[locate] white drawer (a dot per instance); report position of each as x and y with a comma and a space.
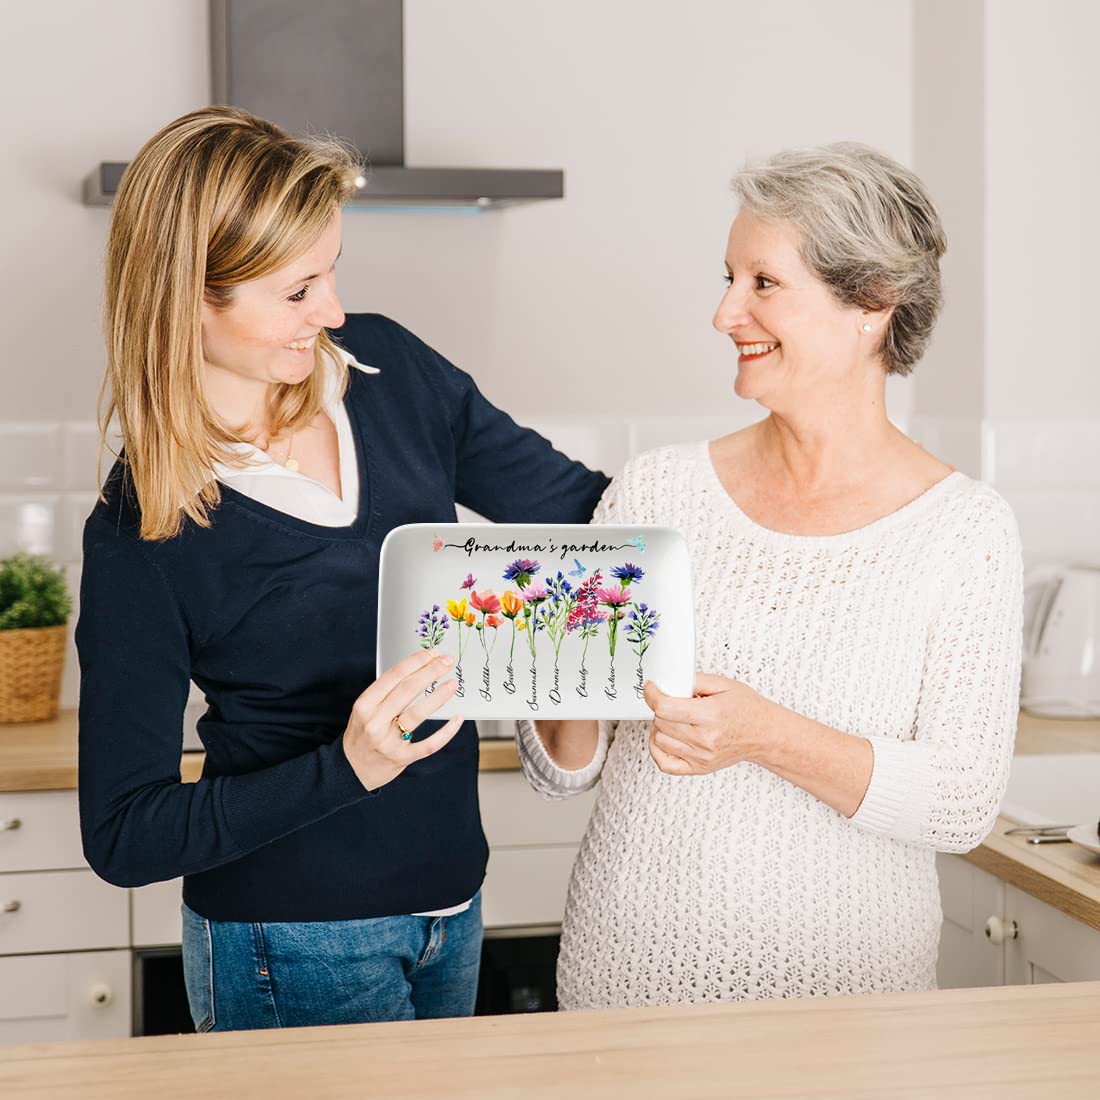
513, 813
156, 913
61, 911
526, 886
39, 831
84, 995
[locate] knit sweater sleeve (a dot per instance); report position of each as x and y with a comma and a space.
139, 822
942, 789
542, 773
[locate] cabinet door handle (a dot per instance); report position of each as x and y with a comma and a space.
101, 995
11, 907
997, 931
11, 824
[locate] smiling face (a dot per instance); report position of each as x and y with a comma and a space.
795, 340
267, 333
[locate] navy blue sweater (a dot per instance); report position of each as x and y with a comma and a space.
274, 618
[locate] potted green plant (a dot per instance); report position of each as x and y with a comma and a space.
34, 608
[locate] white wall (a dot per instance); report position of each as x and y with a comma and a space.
1006, 134
1042, 376
1043, 238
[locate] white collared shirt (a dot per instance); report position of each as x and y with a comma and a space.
292, 492
297, 495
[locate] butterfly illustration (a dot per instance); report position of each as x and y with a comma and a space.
579, 571
637, 541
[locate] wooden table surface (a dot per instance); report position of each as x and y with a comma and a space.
1012, 1043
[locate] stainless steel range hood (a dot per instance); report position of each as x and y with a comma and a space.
338, 67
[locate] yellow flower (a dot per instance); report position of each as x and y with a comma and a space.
521, 624
511, 603
471, 618
457, 609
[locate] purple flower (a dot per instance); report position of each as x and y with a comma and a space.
521, 571
627, 574
642, 624
430, 627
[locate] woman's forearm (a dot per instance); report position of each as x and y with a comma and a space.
570, 744
833, 766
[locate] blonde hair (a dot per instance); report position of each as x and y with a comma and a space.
870, 231
215, 199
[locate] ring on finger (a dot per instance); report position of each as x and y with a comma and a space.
405, 734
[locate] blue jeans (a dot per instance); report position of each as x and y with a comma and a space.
242, 975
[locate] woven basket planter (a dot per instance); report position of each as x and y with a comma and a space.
30, 673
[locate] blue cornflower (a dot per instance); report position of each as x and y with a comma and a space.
627, 574
521, 571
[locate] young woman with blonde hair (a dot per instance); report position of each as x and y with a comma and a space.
332, 851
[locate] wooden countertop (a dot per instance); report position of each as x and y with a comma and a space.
1012, 1043
41, 756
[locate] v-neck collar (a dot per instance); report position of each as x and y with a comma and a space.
354, 454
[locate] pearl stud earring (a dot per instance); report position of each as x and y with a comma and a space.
867, 327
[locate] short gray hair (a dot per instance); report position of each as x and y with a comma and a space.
869, 230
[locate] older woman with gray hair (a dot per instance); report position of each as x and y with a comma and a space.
858, 606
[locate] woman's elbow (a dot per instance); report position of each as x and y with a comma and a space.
967, 836
104, 856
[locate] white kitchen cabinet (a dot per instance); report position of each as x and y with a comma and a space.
1047, 946
61, 911
157, 920
1027, 943
39, 831
526, 886
533, 842
969, 896
56, 916
80, 995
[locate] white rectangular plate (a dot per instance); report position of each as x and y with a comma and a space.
476, 588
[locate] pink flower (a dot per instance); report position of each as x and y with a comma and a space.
485, 602
437, 544
494, 621
613, 597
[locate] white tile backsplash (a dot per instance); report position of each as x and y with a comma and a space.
1057, 524
80, 447
29, 457
75, 509
1046, 454
954, 440
28, 523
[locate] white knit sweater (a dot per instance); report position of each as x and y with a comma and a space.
739, 884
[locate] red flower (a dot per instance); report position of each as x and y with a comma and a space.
486, 602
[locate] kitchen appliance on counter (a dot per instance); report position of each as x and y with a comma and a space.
1061, 672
